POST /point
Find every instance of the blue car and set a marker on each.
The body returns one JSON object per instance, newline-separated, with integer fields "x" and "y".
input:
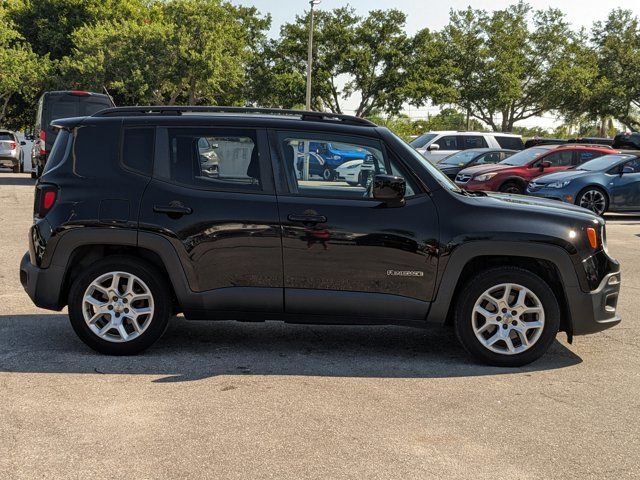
{"x": 325, "y": 157}
{"x": 609, "y": 183}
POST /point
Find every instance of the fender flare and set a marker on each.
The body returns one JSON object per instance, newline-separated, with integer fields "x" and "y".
{"x": 519, "y": 180}
{"x": 463, "y": 254}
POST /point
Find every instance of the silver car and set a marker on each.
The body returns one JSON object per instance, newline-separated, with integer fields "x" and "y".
{"x": 11, "y": 151}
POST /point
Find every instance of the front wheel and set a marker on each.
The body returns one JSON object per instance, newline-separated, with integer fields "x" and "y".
{"x": 327, "y": 175}
{"x": 119, "y": 306}
{"x": 507, "y": 317}
{"x": 593, "y": 199}
{"x": 512, "y": 187}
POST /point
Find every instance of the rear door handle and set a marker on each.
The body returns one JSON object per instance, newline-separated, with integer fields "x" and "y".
{"x": 307, "y": 218}
{"x": 176, "y": 210}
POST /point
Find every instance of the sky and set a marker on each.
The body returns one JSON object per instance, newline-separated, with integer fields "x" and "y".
{"x": 435, "y": 14}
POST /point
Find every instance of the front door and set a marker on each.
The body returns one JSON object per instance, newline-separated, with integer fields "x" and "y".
{"x": 345, "y": 253}
{"x": 212, "y": 197}
{"x": 626, "y": 187}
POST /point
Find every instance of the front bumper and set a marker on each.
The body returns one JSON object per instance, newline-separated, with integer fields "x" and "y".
{"x": 596, "y": 310}
{"x": 43, "y": 285}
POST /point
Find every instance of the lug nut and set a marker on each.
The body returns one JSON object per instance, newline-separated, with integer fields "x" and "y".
{"x": 505, "y": 326}
{"x": 117, "y": 315}
{"x": 124, "y": 300}
{"x": 514, "y": 323}
{"x": 504, "y": 310}
{"x": 514, "y": 313}
{"x": 126, "y": 310}
{"x": 499, "y": 319}
{"x": 110, "y": 307}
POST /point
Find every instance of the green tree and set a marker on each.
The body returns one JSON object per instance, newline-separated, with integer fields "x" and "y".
{"x": 22, "y": 71}
{"x": 187, "y": 51}
{"x": 600, "y": 76}
{"x": 494, "y": 66}
{"x": 362, "y": 58}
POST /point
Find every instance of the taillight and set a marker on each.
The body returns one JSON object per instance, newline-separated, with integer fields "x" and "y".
{"x": 46, "y": 199}
{"x": 82, "y": 93}
{"x": 13, "y": 145}
{"x": 43, "y": 145}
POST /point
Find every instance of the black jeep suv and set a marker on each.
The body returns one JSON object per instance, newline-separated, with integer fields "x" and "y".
{"x": 132, "y": 224}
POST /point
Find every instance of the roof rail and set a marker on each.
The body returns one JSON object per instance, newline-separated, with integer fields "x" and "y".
{"x": 179, "y": 110}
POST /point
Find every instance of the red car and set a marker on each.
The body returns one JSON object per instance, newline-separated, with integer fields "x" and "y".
{"x": 514, "y": 173}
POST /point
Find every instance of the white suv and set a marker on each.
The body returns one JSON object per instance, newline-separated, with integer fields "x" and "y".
{"x": 435, "y": 146}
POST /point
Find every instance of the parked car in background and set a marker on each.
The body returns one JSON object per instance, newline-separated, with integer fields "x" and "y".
{"x": 435, "y": 146}
{"x": 513, "y": 174}
{"x": 627, "y": 140}
{"x": 451, "y": 165}
{"x": 324, "y": 158}
{"x": 11, "y": 154}
{"x": 58, "y": 105}
{"x": 592, "y": 141}
{"x": 533, "y": 142}
{"x": 607, "y": 184}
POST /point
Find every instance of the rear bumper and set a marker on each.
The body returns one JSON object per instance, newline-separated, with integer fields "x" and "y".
{"x": 43, "y": 285}
{"x": 595, "y": 311}
{"x": 9, "y": 160}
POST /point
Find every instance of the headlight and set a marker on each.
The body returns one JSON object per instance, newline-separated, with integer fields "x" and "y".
{"x": 559, "y": 184}
{"x": 484, "y": 177}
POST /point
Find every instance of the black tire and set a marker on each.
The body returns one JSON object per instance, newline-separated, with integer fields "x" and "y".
{"x": 512, "y": 187}
{"x": 482, "y": 282}
{"x": 353, "y": 184}
{"x": 34, "y": 175}
{"x": 328, "y": 175}
{"x": 604, "y": 194}
{"x": 161, "y": 298}
{"x": 16, "y": 168}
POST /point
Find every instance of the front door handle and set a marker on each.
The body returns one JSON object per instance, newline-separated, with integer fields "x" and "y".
{"x": 307, "y": 218}
{"x": 173, "y": 210}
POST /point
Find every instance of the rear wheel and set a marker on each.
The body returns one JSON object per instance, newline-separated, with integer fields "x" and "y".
{"x": 17, "y": 168}
{"x": 327, "y": 174}
{"x": 594, "y": 199}
{"x": 512, "y": 187}
{"x": 507, "y": 317}
{"x": 119, "y": 306}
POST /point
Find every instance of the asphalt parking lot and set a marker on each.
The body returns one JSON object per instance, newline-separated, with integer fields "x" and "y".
{"x": 267, "y": 400}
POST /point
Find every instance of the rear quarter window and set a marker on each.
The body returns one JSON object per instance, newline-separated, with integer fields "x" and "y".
{"x": 59, "y": 152}
{"x": 510, "y": 143}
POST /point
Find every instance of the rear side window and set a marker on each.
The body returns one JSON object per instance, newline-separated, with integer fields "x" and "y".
{"x": 474, "y": 141}
{"x": 587, "y": 155}
{"x": 209, "y": 158}
{"x": 510, "y": 143}
{"x": 96, "y": 149}
{"x": 137, "y": 149}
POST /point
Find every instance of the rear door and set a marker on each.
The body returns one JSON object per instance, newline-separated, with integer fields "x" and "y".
{"x": 223, "y": 222}
{"x": 345, "y": 253}
{"x": 447, "y": 145}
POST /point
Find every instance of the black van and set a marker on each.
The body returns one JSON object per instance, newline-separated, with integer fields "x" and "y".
{"x": 56, "y": 105}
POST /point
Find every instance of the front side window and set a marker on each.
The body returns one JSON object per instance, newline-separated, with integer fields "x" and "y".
{"x": 449, "y": 142}
{"x": 334, "y": 166}
{"x": 209, "y": 158}
{"x": 633, "y": 164}
{"x": 559, "y": 159}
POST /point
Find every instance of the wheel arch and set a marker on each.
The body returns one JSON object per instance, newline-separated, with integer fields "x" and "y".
{"x": 519, "y": 180}
{"x": 549, "y": 262}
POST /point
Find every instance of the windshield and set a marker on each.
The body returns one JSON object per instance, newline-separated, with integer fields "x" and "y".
{"x": 422, "y": 140}
{"x": 440, "y": 177}
{"x": 460, "y": 158}
{"x": 524, "y": 157}
{"x": 603, "y": 163}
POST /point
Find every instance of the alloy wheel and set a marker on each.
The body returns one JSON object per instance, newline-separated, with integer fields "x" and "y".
{"x": 118, "y": 307}
{"x": 594, "y": 200}
{"x": 508, "y": 319}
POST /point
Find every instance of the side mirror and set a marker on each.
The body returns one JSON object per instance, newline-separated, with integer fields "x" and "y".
{"x": 434, "y": 147}
{"x": 23, "y": 143}
{"x": 544, "y": 165}
{"x": 627, "y": 170}
{"x": 389, "y": 189}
